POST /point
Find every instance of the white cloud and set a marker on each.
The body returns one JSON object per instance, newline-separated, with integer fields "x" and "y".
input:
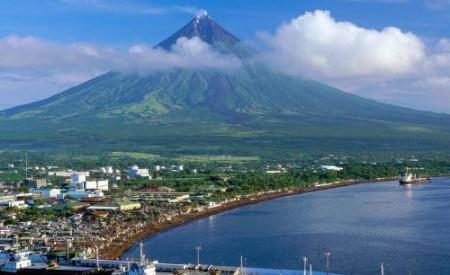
{"x": 33, "y": 53}
{"x": 46, "y": 67}
{"x": 443, "y": 45}
{"x": 316, "y": 45}
{"x": 186, "y": 53}
{"x": 437, "y": 4}
{"x": 17, "y": 52}
{"x": 31, "y": 68}
{"x": 23, "y": 87}
{"x": 125, "y": 7}
{"x": 187, "y": 9}
{"x": 390, "y": 65}
{"x": 427, "y": 88}
{"x": 113, "y": 6}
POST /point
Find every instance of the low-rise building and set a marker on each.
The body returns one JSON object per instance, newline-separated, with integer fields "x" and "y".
{"x": 213, "y": 204}
{"x": 97, "y": 185}
{"x": 125, "y": 205}
{"x": 330, "y": 168}
{"x": 107, "y": 170}
{"x": 78, "y": 178}
{"x": 13, "y": 203}
{"x": 52, "y": 193}
{"x": 35, "y": 183}
{"x": 136, "y": 172}
{"x": 274, "y": 171}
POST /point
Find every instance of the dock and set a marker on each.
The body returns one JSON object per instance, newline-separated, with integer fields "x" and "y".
{"x": 193, "y": 269}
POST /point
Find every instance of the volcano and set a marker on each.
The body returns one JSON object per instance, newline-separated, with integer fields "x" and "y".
{"x": 212, "y": 111}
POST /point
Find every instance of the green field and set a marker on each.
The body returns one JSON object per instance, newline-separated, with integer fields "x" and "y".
{"x": 219, "y": 159}
{"x": 135, "y": 155}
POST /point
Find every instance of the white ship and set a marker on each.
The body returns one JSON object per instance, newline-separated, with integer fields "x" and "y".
{"x": 407, "y": 177}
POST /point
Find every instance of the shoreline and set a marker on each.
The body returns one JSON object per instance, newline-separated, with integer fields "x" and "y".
{"x": 153, "y": 229}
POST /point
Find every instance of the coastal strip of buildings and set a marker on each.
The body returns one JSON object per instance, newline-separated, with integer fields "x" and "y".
{"x": 26, "y": 262}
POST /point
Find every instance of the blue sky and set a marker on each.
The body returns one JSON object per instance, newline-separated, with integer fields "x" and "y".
{"x": 122, "y": 22}
{"x": 62, "y": 25}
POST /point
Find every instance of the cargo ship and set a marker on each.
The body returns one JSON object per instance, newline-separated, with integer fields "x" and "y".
{"x": 407, "y": 177}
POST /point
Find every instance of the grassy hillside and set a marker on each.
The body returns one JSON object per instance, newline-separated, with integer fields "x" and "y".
{"x": 266, "y": 138}
{"x": 250, "y": 92}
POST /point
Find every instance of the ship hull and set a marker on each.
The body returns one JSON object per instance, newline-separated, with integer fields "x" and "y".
{"x": 414, "y": 181}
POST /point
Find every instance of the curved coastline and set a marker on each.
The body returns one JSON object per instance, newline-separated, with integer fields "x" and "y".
{"x": 153, "y": 229}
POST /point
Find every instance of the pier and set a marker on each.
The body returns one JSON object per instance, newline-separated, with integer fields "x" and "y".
{"x": 202, "y": 269}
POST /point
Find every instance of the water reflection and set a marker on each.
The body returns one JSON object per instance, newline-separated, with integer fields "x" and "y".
{"x": 406, "y": 227}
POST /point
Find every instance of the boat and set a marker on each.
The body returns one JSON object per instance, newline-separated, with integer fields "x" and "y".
{"x": 17, "y": 261}
{"x": 407, "y": 177}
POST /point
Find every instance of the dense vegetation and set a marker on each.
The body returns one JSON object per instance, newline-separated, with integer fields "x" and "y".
{"x": 222, "y": 184}
{"x": 212, "y": 180}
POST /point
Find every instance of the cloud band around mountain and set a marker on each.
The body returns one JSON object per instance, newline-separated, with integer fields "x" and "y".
{"x": 32, "y": 68}
{"x": 375, "y": 63}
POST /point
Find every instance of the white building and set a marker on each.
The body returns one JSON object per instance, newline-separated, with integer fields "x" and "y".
{"x": 96, "y": 185}
{"x": 212, "y": 204}
{"x": 274, "y": 171}
{"x": 78, "y": 177}
{"x": 107, "y": 170}
{"x": 137, "y": 172}
{"x": 13, "y": 203}
{"x": 90, "y": 184}
{"x": 103, "y": 185}
{"x": 80, "y": 182}
{"x": 49, "y": 193}
{"x": 64, "y": 174}
{"x": 330, "y": 168}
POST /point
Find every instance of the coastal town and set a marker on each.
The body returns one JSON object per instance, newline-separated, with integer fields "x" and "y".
{"x": 56, "y": 214}
{"x": 212, "y": 137}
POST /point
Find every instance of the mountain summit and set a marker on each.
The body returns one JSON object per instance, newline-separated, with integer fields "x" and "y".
{"x": 205, "y": 28}
{"x": 248, "y": 106}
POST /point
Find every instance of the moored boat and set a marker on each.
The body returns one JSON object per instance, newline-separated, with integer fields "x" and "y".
{"x": 407, "y": 177}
